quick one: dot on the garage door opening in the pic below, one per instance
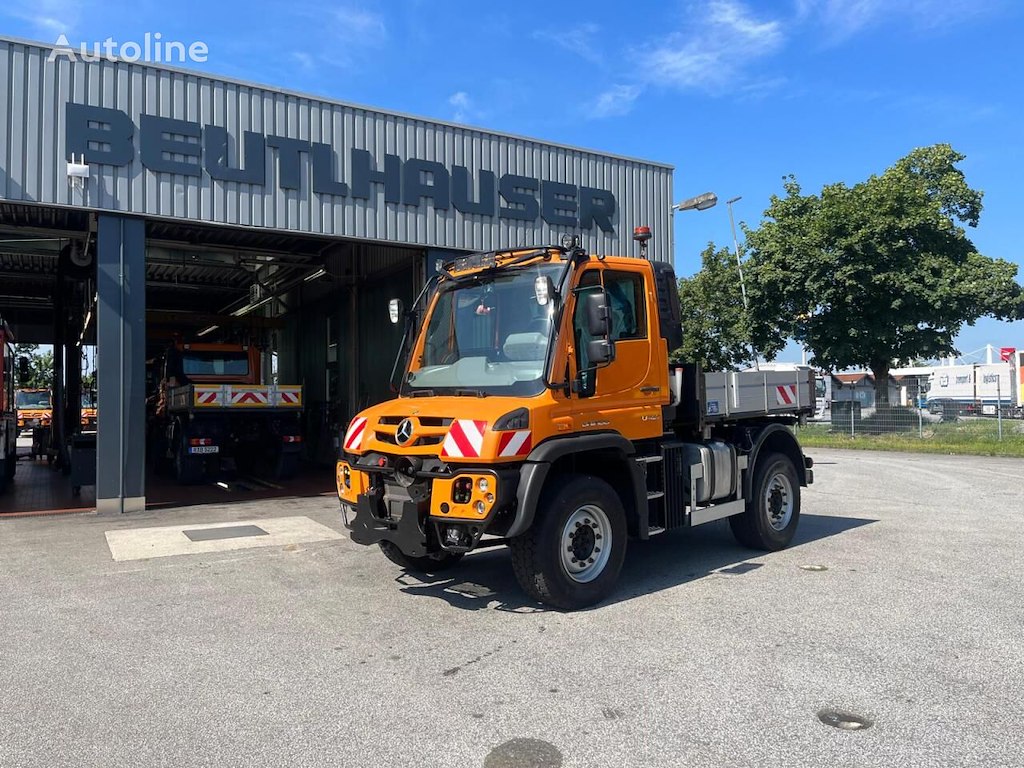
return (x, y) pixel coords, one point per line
(258, 348)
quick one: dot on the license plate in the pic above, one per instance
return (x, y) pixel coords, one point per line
(204, 449)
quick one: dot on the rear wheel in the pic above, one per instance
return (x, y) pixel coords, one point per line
(284, 466)
(773, 509)
(188, 469)
(439, 561)
(572, 554)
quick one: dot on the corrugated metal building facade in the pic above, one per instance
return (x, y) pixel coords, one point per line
(38, 83)
(207, 195)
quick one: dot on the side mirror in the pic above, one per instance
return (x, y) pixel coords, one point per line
(23, 371)
(599, 320)
(395, 310)
(600, 352)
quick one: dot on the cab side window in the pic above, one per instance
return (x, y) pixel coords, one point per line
(626, 301)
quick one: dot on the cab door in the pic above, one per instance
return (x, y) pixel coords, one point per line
(627, 392)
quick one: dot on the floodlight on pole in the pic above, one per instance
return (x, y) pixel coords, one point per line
(698, 203)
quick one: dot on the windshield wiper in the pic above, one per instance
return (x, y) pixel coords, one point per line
(422, 393)
(470, 393)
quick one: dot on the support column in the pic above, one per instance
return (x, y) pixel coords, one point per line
(121, 364)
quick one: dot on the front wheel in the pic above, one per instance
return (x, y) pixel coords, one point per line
(773, 509)
(439, 561)
(572, 554)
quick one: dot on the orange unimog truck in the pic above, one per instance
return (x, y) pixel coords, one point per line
(211, 404)
(88, 418)
(35, 408)
(537, 408)
(8, 409)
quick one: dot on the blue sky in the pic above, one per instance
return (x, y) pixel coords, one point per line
(734, 94)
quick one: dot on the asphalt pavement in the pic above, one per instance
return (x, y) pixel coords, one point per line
(898, 614)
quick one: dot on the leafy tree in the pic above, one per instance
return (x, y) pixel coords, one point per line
(715, 332)
(877, 273)
(40, 366)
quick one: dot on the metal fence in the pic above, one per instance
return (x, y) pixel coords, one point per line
(954, 425)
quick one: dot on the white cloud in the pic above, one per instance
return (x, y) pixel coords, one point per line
(49, 18)
(304, 60)
(338, 37)
(841, 19)
(715, 48)
(722, 47)
(463, 106)
(616, 101)
(359, 26)
(580, 40)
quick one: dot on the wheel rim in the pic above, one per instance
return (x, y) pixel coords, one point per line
(778, 501)
(586, 543)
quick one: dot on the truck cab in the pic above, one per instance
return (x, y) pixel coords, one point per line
(537, 408)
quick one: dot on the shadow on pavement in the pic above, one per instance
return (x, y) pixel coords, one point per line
(484, 580)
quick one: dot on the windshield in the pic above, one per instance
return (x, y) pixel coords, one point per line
(88, 400)
(488, 335)
(215, 363)
(32, 399)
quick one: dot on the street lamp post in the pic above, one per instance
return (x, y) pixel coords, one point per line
(736, 248)
(739, 268)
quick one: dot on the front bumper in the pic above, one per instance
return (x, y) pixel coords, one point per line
(419, 517)
(398, 522)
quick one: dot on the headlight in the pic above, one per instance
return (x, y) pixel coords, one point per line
(483, 485)
(517, 419)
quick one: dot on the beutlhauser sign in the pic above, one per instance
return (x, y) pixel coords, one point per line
(165, 145)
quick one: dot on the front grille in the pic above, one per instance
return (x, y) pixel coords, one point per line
(425, 421)
(389, 438)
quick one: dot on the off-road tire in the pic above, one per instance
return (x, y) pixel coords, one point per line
(284, 466)
(440, 561)
(537, 554)
(188, 469)
(752, 528)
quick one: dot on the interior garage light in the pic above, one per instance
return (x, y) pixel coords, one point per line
(315, 275)
(208, 329)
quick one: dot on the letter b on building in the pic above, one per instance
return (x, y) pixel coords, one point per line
(102, 135)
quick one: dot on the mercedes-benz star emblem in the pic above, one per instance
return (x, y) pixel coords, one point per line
(403, 435)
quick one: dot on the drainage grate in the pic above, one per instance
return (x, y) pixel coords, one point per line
(230, 532)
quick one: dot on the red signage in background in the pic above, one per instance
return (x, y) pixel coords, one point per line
(1006, 354)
